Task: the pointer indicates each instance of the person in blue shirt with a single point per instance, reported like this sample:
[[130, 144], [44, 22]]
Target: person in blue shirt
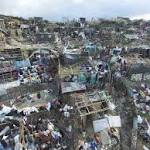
[[93, 145]]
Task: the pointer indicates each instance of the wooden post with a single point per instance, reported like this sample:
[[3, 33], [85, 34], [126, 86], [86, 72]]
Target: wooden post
[[83, 121]]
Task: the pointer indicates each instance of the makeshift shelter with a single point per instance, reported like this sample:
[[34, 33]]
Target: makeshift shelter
[[91, 49], [116, 51], [71, 56]]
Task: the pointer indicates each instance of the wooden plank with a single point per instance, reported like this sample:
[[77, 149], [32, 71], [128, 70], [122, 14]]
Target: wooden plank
[[94, 107], [93, 112], [88, 109], [89, 104]]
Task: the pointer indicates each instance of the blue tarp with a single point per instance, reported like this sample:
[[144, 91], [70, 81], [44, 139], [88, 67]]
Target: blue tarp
[[90, 48], [22, 63]]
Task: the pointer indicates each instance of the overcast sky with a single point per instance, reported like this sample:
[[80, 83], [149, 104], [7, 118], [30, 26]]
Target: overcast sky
[[57, 9]]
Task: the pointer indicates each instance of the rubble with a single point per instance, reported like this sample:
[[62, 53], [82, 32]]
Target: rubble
[[74, 85]]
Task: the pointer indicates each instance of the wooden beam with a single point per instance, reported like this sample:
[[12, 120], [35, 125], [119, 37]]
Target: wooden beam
[[93, 112], [89, 104]]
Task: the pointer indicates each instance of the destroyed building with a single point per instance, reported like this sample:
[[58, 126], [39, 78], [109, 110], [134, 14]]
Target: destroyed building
[[44, 37]]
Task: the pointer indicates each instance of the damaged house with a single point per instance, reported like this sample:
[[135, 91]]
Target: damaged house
[[9, 57], [44, 37], [143, 50]]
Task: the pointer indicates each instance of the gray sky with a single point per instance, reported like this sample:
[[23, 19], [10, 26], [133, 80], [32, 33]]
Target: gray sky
[[56, 9]]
